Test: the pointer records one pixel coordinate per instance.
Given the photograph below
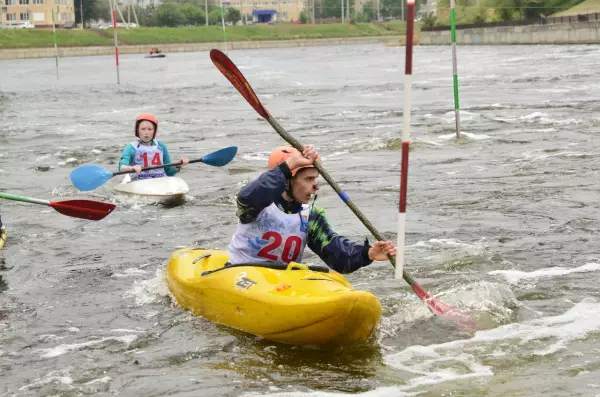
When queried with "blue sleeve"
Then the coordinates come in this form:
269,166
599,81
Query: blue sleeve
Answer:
338,252
127,156
261,192
170,171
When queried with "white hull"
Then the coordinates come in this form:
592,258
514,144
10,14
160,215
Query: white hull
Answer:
163,188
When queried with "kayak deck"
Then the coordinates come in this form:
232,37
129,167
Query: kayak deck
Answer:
164,187
298,304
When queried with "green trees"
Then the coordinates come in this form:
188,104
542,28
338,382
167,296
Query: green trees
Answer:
214,17
482,11
193,14
233,15
168,14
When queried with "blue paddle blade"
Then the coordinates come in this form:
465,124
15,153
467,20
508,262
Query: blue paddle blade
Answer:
89,177
220,157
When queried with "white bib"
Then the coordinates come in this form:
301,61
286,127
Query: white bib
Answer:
273,237
147,156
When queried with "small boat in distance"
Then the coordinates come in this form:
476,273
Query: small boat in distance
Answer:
155,53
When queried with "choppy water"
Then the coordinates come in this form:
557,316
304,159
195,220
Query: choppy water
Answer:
503,222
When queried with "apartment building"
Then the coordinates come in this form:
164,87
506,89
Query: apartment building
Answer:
37,12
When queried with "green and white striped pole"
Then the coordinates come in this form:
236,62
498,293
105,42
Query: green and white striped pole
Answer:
454,67
55,45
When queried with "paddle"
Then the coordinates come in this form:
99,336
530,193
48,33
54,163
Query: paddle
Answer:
90,177
235,77
84,209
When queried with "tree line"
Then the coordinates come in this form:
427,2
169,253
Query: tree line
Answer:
486,11
170,13
192,12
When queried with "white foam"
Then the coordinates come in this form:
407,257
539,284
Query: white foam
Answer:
125,330
378,392
469,115
539,118
540,155
534,115
42,158
256,156
105,379
475,137
514,276
437,244
457,359
130,272
56,377
62,349
491,298
149,291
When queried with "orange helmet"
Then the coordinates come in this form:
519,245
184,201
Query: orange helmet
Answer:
281,154
145,117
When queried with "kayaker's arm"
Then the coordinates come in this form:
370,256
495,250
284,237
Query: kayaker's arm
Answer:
259,193
127,156
338,252
170,171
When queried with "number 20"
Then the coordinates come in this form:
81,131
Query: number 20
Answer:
291,247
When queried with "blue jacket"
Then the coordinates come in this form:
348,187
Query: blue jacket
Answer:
129,154
338,252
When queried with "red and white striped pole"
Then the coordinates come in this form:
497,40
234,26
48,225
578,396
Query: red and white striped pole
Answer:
410,25
114,15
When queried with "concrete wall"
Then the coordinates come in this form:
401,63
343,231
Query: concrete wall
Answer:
565,33
19,53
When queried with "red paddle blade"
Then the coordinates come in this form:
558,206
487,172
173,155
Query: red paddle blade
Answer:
84,209
235,77
439,308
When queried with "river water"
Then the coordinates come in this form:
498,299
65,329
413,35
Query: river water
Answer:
502,223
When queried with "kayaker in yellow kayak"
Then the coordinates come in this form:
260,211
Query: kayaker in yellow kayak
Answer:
147,151
276,223
2,234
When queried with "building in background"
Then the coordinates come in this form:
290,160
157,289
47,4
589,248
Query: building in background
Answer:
262,11
142,3
428,7
37,12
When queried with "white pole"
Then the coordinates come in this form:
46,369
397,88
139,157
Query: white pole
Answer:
454,67
223,24
410,21
55,45
135,16
114,15
402,10
81,12
206,10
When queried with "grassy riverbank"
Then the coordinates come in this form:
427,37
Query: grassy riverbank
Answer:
38,38
587,7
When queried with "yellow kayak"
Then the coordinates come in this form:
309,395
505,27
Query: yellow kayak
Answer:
295,303
2,236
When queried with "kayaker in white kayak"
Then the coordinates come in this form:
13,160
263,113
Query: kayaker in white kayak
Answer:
276,223
147,151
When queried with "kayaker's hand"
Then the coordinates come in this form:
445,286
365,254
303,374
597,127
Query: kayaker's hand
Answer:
137,168
184,161
381,249
304,159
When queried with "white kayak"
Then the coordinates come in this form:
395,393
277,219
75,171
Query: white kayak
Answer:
167,187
